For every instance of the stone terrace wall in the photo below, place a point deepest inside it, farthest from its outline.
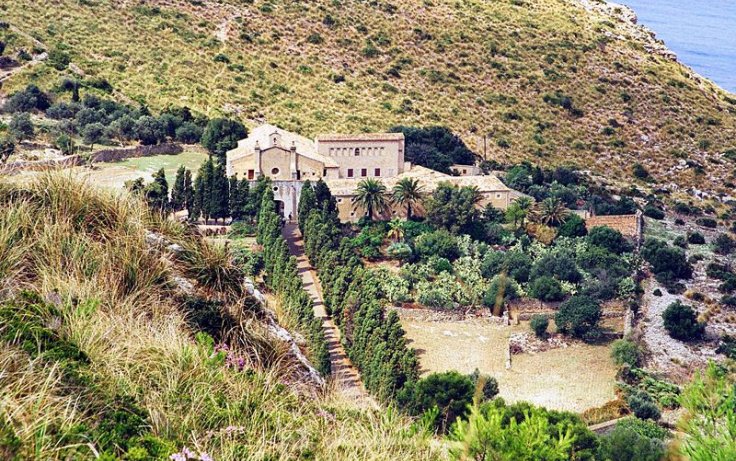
(115, 155)
(628, 225)
(63, 162)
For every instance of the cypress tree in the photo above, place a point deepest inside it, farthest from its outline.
(234, 202)
(188, 193)
(178, 191)
(244, 199)
(219, 193)
(307, 203)
(157, 193)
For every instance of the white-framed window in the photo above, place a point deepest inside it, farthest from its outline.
(275, 188)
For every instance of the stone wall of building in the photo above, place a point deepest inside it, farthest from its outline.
(115, 155)
(628, 225)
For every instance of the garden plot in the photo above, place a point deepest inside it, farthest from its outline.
(575, 378)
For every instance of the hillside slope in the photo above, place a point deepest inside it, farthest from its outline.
(120, 342)
(548, 80)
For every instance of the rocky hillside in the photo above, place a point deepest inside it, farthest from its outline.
(553, 81)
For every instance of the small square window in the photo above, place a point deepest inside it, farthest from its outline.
(364, 172)
(350, 172)
(377, 172)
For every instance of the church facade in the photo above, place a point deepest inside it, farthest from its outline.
(342, 161)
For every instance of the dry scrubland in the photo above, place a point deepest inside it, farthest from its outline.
(103, 357)
(478, 67)
(575, 378)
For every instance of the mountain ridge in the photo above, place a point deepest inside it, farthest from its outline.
(549, 82)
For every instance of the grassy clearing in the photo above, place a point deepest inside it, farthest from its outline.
(102, 353)
(575, 378)
(543, 79)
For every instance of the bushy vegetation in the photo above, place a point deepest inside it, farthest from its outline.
(681, 322)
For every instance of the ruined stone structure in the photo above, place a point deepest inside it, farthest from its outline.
(342, 161)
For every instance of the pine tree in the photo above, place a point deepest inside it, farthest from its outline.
(178, 191)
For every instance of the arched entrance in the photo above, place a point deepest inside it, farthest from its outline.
(280, 208)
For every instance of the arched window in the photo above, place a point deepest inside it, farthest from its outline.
(357, 151)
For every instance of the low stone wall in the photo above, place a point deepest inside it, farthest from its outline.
(628, 225)
(431, 315)
(36, 165)
(115, 155)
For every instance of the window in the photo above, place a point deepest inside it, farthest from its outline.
(364, 172)
(251, 174)
(377, 172)
(324, 172)
(339, 200)
(275, 171)
(465, 171)
(498, 195)
(275, 188)
(357, 151)
(350, 172)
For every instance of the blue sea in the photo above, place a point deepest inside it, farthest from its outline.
(701, 32)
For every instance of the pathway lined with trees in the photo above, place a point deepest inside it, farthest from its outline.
(344, 374)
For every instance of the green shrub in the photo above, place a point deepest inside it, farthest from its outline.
(451, 392)
(724, 244)
(562, 266)
(668, 263)
(490, 385)
(626, 352)
(707, 222)
(626, 444)
(574, 226)
(578, 316)
(695, 238)
(608, 238)
(681, 322)
(643, 406)
(501, 290)
(539, 324)
(438, 243)
(399, 251)
(653, 212)
(546, 289)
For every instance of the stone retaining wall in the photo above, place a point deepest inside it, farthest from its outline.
(35, 165)
(115, 155)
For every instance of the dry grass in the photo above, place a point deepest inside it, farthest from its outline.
(110, 299)
(575, 378)
(481, 68)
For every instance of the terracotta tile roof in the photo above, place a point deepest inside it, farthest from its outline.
(262, 135)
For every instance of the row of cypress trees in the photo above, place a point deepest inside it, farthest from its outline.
(282, 276)
(374, 339)
(211, 195)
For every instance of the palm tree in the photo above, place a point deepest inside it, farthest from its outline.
(371, 196)
(408, 192)
(551, 212)
(395, 230)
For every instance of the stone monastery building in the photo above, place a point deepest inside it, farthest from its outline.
(342, 161)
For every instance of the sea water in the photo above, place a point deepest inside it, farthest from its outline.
(701, 32)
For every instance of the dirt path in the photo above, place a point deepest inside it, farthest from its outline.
(344, 374)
